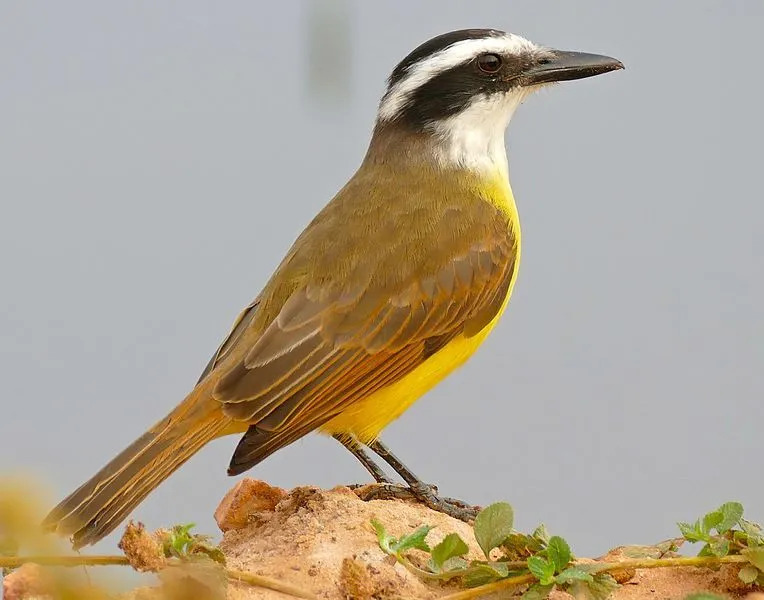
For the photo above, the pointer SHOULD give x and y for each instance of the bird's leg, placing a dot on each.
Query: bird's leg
(427, 494)
(357, 450)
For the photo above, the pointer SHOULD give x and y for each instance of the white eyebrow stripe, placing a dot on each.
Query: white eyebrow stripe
(456, 54)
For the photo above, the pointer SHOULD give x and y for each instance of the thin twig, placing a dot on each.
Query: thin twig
(267, 582)
(13, 562)
(636, 563)
(681, 561)
(448, 575)
(489, 588)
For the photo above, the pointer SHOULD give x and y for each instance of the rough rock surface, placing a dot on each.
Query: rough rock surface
(323, 541)
(246, 498)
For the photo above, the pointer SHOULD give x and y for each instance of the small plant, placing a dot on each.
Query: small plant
(545, 562)
(724, 532)
(180, 543)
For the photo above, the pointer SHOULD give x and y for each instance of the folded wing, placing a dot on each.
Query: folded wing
(326, 351)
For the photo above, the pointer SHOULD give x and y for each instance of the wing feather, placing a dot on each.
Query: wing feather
(328, 349)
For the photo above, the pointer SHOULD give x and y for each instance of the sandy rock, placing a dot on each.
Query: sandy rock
(679, 582)
(244, 501)
(355, 580)
(142, 548)
(322, 541)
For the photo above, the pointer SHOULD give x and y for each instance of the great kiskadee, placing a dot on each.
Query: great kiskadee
(392, 286)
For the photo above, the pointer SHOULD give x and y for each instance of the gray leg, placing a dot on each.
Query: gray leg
(427, 494)
(357, 450)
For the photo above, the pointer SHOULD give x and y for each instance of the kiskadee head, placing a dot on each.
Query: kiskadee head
(461, 88)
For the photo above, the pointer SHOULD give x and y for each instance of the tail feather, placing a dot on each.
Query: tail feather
(98, 506)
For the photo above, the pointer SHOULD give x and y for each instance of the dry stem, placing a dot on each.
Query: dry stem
(636, 563)
(12, 562)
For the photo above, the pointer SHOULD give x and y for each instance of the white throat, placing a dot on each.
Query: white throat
(474, 138)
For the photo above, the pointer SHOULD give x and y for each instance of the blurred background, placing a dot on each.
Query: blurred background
(158, 159)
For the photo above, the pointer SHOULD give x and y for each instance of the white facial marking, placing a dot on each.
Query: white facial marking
(456, 54)
(474, 138)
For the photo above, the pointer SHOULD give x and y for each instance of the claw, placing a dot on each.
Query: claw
(458, 509)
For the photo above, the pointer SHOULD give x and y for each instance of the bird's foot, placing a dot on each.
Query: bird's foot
(424, 493)
(458, 509)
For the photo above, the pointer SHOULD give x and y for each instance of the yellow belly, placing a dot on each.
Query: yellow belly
(366, 419)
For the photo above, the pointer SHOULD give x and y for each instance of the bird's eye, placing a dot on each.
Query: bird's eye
(489, 63)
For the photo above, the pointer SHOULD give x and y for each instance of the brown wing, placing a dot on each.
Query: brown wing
(239, 326)
(325, 351)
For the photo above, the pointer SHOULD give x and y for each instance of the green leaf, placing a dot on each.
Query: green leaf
(752, 530)
(558, 552)
(519, 546)
(740, 537)
(657, 551)
(719, 547)
(706, 550)
(383, 538)
(755, 556)
(711, 521)
(537, 592)
(178, 540)
(455, 563)
(704, 596)
(493, 525)
(604, 584)
(599, 589)
(501, 569)
(748, 574)
(692, 532)
(451, 546)
(395, 547)
(541, 534)
(414, 540)
(481, 573)
(572, 574)
(731, 513)
(542, 569)
(210, 551)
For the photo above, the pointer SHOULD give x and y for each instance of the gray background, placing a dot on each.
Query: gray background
(157, 160)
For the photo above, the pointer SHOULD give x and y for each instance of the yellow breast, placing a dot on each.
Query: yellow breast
(366, 419)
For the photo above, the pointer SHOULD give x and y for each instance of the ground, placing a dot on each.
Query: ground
(321, 541)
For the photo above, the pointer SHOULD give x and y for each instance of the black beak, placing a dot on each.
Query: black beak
(560, 65)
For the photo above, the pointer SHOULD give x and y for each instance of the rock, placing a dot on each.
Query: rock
(246, 499)
(322, 541)
(355, 581)
(142, 548)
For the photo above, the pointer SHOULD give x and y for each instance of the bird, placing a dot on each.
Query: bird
(393, 285)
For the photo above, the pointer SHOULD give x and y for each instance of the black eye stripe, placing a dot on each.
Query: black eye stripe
(450, 91)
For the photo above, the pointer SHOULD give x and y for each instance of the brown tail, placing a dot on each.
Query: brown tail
(98, 506)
